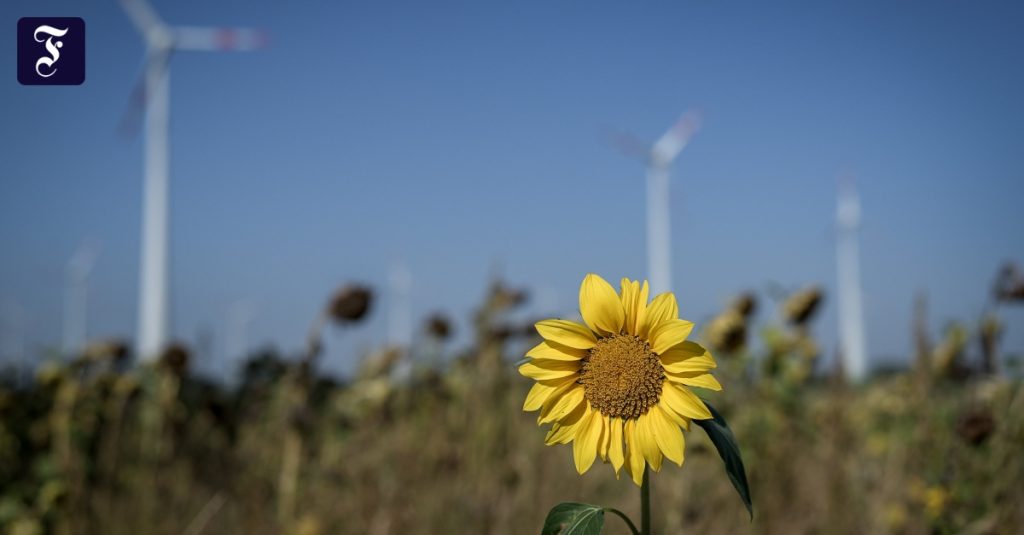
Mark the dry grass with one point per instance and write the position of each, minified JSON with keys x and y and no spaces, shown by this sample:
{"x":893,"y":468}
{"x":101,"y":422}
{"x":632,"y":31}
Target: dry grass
{"x":89,"y":450}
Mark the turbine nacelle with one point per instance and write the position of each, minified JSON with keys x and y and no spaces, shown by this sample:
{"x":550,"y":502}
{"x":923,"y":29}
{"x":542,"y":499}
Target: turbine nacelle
{"x":162,"y":38}
{"x":665,"y":150}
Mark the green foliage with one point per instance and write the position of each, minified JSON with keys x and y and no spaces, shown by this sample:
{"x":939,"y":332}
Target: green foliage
{"x":724,"y":441}
{"x":572,"y":518}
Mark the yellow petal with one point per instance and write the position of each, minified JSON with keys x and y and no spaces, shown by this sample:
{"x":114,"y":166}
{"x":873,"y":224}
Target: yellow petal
{"x":562,"y":432}
{"x":666,"y":434}
{"x":668,"y":334}
{"x":635,"y":466}
{"x":615,"y":447}
{"x":606,"y":435}
{"x":687,"y":357}
{"x":600,"y":306}
{"x":538,"y":395}
{"x":567,"y":333}
{"x":647,"y":442}
{"x":555,"y":351}
{"x":701,"y":364}
{"x":698,"y":379}
{"x":641,"y":306}
{"x":584,"y":446}
{"x":627,"y":292}
{"x":554,"y":398}
{"x":544,"y":369}
{"x":634,"y":303}
{"x":561,"y":408}
{"x":674,"y":416}
{"x":559,"y":434}
{"x":662,"y":308}
{"x":684,"y":402}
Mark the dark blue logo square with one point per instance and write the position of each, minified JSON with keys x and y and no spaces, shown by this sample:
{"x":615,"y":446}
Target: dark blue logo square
{"x":51,"y":51}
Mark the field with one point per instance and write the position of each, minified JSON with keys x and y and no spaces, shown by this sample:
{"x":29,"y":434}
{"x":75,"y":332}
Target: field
{"x":95,"y":445}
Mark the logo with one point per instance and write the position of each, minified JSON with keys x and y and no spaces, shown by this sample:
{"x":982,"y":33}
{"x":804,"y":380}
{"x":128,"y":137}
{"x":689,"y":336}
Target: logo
{"x":51,"y":51}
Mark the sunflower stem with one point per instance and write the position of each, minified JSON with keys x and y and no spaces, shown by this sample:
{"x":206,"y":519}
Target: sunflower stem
{"x":645,"y":504}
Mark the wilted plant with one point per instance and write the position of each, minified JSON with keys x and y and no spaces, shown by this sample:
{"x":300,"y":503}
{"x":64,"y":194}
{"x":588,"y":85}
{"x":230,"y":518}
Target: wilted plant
{"x":882,"y":457}
{"x":1009,"y":285}
{"x":948,"y":357}
{"x":727,"y":335}
{"x":349,"y":304}
{"x":439,"y":326}
{"x":989,"y":333}
{"x":792,"y":350}
{"x":346,"y":306}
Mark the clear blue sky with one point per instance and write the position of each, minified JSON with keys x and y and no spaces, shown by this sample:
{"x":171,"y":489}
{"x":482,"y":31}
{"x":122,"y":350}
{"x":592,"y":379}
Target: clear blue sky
{"x":457,"y":137}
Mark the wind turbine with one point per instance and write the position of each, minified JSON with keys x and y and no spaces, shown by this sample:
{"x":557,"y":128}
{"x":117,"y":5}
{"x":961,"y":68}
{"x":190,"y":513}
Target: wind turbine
{"x":659,"y":158}
{"x":851,"y":320}
{"x":76,"y":289}
{"x":161,"y":42}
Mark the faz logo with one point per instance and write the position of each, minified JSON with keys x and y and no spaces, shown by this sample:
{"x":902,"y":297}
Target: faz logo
{"x":51,"y":51}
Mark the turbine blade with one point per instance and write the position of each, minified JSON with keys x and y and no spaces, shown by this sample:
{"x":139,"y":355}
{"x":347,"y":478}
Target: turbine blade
{"x":219,"y":39}
{"x":143,"y":16}
{"x":672,"y":142}
{"x":628,"y":144}
{"x":131,"y":118}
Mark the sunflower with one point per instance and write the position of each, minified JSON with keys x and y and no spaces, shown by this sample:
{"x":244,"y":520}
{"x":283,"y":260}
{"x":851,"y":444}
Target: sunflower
{"x":618,"y":387}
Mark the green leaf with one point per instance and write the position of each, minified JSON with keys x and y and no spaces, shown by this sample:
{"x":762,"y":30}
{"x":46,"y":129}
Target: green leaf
{"x":725,"y":442}
{"x":571,"y":518}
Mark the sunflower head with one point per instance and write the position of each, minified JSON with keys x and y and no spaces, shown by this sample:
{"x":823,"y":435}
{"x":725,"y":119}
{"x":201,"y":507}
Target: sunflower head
{"x":618,"y":386}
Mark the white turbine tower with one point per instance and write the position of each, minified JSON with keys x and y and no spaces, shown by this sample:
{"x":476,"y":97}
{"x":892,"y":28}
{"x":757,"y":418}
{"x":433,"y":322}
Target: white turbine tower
{"x":659,"y":244}
{"x":76,"y":293}
{"x":161,"y":42}
{"x":659,"y":158}
{"x":851,"y":320}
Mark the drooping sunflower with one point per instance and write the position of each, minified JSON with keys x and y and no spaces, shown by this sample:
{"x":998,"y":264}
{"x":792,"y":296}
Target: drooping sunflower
{"x":618,"y":387}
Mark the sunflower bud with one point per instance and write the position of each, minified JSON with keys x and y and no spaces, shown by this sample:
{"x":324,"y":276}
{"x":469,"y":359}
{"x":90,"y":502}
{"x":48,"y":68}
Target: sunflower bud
{"x":800,"y":308}
{"x":745,"y":305}
{"x":1009,"y":286}
{"x":727,"y":332}
{"x":175,"y":359}
{"x":349,"y":304}
{"x":438,"y":326}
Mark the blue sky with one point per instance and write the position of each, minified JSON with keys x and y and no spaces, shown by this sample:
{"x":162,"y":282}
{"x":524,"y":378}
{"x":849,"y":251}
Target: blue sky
{"x":456,"y":137}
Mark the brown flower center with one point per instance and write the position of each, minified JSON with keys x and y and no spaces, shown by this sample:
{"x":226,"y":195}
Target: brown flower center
{"x":622,"y":377}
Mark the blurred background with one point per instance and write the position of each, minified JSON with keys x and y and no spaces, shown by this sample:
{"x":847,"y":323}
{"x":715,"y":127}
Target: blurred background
{"x":370,"y":204}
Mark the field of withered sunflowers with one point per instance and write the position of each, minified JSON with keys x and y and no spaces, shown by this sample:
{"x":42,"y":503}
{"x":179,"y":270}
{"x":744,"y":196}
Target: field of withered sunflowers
{"x":97,"y":444}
